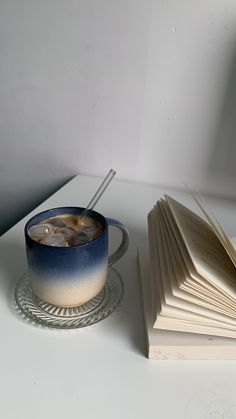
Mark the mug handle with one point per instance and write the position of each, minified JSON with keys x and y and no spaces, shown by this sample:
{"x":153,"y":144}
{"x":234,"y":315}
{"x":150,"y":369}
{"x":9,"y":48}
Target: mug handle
{"x":114,"y":257}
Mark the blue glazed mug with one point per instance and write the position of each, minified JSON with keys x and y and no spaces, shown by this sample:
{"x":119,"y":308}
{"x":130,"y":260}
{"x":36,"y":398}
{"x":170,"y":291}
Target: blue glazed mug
{"x":71,"y":276}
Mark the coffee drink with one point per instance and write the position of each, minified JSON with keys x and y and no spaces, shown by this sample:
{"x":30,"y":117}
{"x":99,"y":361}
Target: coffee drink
{"x":68,"y":254}
{"x":66,"y":230}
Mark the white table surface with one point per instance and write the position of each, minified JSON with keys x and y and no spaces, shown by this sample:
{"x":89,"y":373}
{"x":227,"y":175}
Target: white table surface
{"x":101,"y":371}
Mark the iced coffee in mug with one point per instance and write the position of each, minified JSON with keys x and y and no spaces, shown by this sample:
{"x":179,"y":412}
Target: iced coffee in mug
{"x":67,"y":254}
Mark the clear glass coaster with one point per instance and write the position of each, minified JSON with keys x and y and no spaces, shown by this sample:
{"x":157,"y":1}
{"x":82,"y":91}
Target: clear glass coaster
{"x":87,"y":314}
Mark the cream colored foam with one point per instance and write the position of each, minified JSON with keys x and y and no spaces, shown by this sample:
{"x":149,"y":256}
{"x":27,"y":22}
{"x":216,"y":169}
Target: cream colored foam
{"x":69,"y":293}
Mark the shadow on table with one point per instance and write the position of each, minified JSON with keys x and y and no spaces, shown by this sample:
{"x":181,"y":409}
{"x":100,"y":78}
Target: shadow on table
{"x":134,"y":315}
{"x":12,"y":265}
{"x":134,"y":305}
{"x":128,"y":318}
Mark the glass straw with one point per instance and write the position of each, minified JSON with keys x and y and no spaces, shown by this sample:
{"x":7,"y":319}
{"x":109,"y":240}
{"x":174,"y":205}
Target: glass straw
{"x":99,"y":192}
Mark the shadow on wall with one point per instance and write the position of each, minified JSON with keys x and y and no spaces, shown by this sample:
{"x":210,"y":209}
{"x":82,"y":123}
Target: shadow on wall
{"x":222,"y":160}
{"x":19,"y":208}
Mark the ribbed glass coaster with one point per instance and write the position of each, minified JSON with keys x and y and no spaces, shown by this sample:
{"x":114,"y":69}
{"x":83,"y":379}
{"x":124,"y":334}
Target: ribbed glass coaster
{"x":49,"y":315}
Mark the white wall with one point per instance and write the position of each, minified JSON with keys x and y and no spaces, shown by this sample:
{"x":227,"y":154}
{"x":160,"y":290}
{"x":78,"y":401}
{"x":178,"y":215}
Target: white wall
{"x":147,"y":87}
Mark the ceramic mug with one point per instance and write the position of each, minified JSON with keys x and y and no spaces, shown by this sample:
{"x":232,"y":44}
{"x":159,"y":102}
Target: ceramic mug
{"x":71,"y":276}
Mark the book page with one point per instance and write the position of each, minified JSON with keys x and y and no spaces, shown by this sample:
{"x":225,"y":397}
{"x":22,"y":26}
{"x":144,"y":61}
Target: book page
{"x":189,"y":303}
{"x":154,"y":266}
{"x":208,"y":255}
{"x":218,"y":230}
{"x":165,"y":344}
{"x":192,"y":279}
{"x":180,"y":275}
{"x":175,"y":317}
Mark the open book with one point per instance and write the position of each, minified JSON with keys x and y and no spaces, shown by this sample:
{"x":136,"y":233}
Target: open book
{"x":192,"y":271}
{"x":167,"y":344}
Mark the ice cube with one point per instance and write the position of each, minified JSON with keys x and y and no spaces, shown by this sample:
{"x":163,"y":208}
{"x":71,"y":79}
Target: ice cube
{"x":68,"y":232}
{"x":56,"y":222}
{"x":91,"y":230}
{"x":88,"y":229}
{"x":40,"y":231}
{"x":55,"y":239}
{"x":80,"y":237}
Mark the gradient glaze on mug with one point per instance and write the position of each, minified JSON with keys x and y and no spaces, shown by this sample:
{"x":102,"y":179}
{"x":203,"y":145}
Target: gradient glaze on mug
{"x":67,"y":276}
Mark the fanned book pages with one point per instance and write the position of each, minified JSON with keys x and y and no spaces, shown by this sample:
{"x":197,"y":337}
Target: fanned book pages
{"x":167,"y":344}
{"x":192,"y":271}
